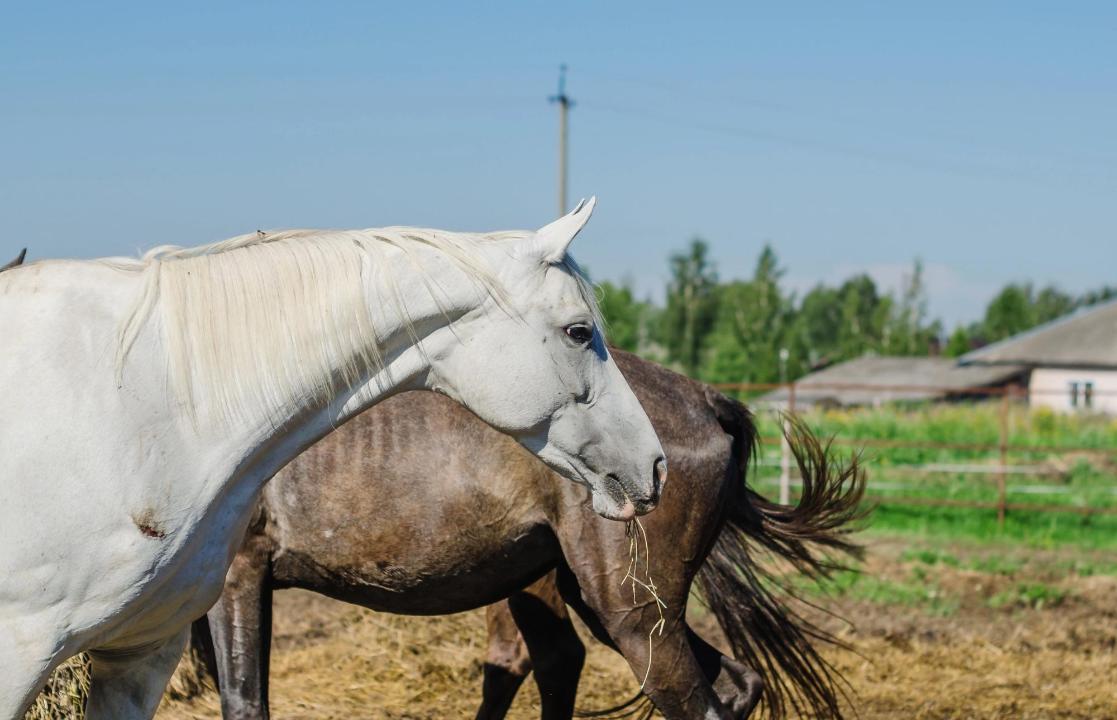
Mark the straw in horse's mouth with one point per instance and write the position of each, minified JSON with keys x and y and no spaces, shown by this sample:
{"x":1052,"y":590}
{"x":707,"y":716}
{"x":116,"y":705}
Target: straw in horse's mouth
{"x":634,"y":530}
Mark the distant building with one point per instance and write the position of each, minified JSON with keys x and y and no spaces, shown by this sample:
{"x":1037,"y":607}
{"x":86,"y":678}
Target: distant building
{"x":1072,"y":361}
{"x":873,"y":380}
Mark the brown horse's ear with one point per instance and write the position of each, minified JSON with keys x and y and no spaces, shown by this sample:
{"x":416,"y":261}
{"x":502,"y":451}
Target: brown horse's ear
{"x":17,"y":262}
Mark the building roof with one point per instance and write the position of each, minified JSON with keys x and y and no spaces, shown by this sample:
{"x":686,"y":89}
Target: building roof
{"x":873,"y":379}
{"x":1085,"y":338}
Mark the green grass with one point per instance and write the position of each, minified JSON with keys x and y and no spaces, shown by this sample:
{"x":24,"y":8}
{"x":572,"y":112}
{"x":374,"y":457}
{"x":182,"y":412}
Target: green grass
{"x":1029,"y":595}
{"x":930,"y":557}
{"x":1040,"y":530}
{"x":1086,"y":480}
{"x":959,"y":423}
{"x":919,"y":593}
{"x":996,"y":565}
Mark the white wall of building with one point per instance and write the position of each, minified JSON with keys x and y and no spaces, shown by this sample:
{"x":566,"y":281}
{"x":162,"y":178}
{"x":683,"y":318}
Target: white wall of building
{"x":1054,"y":388}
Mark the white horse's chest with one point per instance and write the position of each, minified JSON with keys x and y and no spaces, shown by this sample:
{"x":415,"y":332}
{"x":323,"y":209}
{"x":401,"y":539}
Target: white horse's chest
{"x":177,"y":572}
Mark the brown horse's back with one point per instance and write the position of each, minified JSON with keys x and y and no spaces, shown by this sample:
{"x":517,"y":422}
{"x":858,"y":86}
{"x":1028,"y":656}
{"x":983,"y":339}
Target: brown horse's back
{"x":417,"y":506}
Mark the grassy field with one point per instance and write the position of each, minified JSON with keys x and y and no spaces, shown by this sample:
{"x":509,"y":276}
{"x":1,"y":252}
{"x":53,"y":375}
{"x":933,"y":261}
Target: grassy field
{"x":1079,"y":478}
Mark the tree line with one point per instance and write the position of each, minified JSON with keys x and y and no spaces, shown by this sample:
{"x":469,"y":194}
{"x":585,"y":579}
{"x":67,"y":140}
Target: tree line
{"x":756,"y":331}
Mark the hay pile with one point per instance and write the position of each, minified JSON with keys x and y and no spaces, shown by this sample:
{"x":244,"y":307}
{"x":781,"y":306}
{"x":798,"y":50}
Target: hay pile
{"x":333,"y":660}
{"x":64,"y":696}
{"x":914,"y":659}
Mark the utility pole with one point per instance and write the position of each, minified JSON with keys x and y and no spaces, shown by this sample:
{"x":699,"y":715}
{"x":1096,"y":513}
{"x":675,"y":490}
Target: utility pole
{"x":564,"y":103}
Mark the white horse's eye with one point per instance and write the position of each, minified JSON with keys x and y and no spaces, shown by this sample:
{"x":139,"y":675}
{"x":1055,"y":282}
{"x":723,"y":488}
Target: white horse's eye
{"x":579,"y":333}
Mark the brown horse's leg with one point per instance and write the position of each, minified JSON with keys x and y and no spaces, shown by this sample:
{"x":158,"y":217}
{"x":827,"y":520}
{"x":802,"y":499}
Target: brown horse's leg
{"x":506,"y":663}
{"x":240,"y":623}
{"x":557,"y":653}
{"x":676,"y":681}
{"x":738,"y":686}
{"x":532,"y":630}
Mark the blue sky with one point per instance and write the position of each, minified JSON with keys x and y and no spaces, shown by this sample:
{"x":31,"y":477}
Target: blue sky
{"x":854,"y":136}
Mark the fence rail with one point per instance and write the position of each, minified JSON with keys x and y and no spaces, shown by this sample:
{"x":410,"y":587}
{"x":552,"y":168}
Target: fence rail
{"x":993,"y":391}
{"x":1001,"y":451}
{"x":977,"y":447}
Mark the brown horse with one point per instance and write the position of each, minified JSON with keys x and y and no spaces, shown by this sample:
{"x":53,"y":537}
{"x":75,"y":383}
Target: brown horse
{"x":418,"y":507}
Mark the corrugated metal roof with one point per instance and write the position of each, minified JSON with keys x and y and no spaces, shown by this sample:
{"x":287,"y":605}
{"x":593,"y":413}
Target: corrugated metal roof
{"x":1086,"y":338}
{"x":894,"y":378}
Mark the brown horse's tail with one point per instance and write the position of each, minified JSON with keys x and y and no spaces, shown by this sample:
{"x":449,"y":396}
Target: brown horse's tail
{"x":749,"y":599}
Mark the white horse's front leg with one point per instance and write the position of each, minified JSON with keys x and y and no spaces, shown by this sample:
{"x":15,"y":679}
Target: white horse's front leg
{"x":128,"y":685}
{"x":27,"y":656}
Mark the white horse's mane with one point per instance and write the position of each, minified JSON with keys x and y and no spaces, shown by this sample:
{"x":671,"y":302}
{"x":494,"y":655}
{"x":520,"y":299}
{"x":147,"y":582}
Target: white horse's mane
{"x":257,"y":322}
{"x":260,"y":321}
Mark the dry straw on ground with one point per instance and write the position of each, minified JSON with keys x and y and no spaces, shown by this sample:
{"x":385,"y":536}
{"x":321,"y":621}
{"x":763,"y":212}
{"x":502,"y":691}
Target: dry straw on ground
{"x":980,"y":661}
{"x":64,"y":696}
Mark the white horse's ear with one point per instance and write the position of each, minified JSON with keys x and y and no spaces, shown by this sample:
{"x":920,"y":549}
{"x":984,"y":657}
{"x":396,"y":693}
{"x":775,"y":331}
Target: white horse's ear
{"x":551,"y":241}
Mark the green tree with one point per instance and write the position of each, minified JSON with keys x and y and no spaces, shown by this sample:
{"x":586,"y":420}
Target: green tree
{"x":1106,"y":292}
{"x":753,"y":323}
{"x":906,"y":330}
{"x":1051,"y":303}
{"x":834,"y":324}
{"x":958,"y":344}
{"x":859,"y":329}
{"x":817,"y":327}
{"x":626,"y":318}
{"x":1008,"y":313}
{"x":691,"y":307}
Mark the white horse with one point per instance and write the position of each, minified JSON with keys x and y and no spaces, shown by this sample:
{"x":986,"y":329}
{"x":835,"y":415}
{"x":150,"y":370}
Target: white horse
{"x":144,"y":403}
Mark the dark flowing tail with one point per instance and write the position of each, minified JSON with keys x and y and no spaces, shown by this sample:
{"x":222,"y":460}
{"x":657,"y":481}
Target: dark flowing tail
{"x":637,"y":707}
{"x":749,"y":597}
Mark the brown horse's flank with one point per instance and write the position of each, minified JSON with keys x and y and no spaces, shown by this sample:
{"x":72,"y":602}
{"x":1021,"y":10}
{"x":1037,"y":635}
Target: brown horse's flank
{"x":418,"y":507}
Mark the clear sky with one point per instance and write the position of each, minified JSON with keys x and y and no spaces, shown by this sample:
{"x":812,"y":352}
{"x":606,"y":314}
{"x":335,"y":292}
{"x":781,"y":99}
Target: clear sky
{"x":981,"y":137}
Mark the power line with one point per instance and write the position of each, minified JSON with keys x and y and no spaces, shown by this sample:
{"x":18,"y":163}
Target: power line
{"x":972,"y":170}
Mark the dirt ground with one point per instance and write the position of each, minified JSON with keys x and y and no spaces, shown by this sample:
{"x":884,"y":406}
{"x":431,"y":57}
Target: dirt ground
{"x":956,"y":632}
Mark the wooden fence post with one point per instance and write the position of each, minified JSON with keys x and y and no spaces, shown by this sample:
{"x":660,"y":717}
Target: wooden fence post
{"x":1002,"y":493}
{"x":785,"y":449}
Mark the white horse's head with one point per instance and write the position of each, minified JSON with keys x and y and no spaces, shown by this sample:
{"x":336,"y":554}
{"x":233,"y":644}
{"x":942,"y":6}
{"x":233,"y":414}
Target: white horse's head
{"x":538,"y":370}
{"x":263,"y":326}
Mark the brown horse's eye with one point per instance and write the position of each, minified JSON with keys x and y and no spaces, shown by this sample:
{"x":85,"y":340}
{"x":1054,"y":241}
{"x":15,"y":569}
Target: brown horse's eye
{"x":581,"y":334}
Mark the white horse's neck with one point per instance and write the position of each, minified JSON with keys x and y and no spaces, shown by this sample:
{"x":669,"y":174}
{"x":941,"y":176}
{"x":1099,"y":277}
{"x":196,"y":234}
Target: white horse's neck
{"x":265,"y":323}
{"x":413,"y":320}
